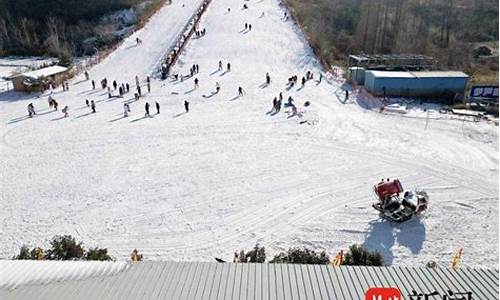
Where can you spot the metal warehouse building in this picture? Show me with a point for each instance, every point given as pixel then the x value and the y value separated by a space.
pixel 415 84
pixel 192 280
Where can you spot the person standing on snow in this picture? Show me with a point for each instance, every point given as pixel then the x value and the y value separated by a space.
pixel 65 111
pixel 157 107
pixel 186 106
pixel 268 79
pixel 217 87
pixel 55 104
pixel 146 107
pixel 196 83
pixel 228 67
pixel 31 110
pixel 220 65
pixel 275 104
pixel 240 91
pixel 92 106
pixel 278 106
pixel 126 110
pixel 93 84
pixel 87 102
pixel 115 85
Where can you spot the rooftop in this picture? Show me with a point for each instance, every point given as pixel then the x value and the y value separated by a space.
pixel 45 72
pixel 192 280
pixel 418 74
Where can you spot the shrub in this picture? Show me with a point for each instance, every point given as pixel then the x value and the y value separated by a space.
pixel 299 256
pixel 64 247
pixel 256 255
pixel 359 256
pixel 24 253
pixel 97 254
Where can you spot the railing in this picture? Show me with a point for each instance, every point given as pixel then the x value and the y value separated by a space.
pixel 174 51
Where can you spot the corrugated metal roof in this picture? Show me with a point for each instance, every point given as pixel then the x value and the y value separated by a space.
pixel 417 74
pixel 191 280
pixel 45 72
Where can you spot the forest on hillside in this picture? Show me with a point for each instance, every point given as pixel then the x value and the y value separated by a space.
pixel 448 30
pixel 61 28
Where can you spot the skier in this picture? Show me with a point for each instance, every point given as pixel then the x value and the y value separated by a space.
pixel 196 83
pixel 86 75
pixel 217 87
pixel 320 78
pixel 87 102
pixel 186 106
pixel 246 26
pixel 92 106
pixel 120 91
pixel 240 91
pixel 139 90
pixel 220 65
pixel 157 107
pixel 290 101
pixel 146 106
pixel 268 79
pixel 249 27
pixel 303 80
pixel 127 87
pixel 93 84
pixel 126 110
pixel 65 111
pixel 275 104
pixel 228 67
pixel 278 106
pixel 55 104
pixel 31 110
pixel 115 85
pixel 149 87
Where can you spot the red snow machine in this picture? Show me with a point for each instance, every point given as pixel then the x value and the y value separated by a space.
pixel 395 207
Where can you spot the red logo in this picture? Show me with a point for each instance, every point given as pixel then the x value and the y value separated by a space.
pixel 383 294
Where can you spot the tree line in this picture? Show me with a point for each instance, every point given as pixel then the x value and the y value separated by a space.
pixel 57 27
pixel 444 29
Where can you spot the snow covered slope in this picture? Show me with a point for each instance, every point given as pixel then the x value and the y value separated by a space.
pixel 229 174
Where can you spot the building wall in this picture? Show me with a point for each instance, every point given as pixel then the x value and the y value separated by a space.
pixel 415 87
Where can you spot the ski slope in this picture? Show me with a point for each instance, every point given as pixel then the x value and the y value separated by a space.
pixel 229 174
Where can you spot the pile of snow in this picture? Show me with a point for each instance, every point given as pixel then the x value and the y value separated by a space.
pixel 230 173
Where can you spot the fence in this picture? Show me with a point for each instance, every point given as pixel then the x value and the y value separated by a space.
pixel 173 53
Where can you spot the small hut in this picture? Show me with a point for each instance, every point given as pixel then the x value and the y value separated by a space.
pixel 39 80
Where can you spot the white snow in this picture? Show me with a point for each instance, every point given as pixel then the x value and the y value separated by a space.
pixel 227 175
